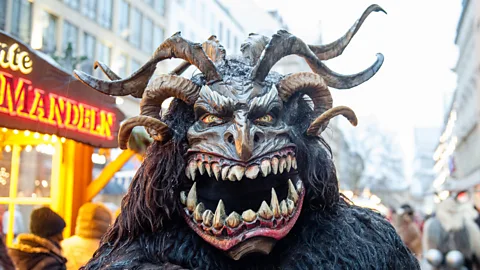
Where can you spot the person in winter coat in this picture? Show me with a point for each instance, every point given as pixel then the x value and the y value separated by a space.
pixel 40 249
pixel 5 261
pixel 408 230
pixel 92 222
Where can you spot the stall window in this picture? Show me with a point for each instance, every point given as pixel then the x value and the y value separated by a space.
pixel 49 33
pixel 3 15
pixel 136 28
pixel 70 35
pixel 22 19
pixel 123 19
pixel 89 44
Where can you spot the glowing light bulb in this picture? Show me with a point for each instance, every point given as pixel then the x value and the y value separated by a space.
pixel 8 148
pixel 45 137
pixel 36 135
pixel 4 130
pixel 62 139
pixel 15 131
pixel 26 133
pixel 28 148
pixel 54 138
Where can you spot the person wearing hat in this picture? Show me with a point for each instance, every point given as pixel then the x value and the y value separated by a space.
pixel 40 249
pixel 93 221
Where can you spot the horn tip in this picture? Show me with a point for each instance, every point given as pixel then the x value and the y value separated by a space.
pixel 377 8
pixel 96 64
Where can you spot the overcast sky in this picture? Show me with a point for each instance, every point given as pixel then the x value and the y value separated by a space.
pixel 417 40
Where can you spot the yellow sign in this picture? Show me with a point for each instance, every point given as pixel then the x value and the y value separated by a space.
pixel 14 58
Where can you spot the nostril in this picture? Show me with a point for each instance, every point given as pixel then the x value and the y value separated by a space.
pixel 229 138
pixel 258 138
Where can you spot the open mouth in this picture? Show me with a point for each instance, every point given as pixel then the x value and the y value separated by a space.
pixel 230 202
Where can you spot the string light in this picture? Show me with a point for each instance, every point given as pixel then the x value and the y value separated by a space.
pixel 26 133
pixel 36 135
pixel 8 148
pixel 54 138
pixel 4 130
pixel 45 137
pixel 62 139
pixel 28 148
pixel 15 131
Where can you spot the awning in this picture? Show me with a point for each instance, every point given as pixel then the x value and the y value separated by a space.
pixel 35 95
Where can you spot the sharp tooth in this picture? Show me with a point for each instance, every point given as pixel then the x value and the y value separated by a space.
pixel 201 167
pixel 224 172
pixel 187 172
pixel 274 204
pixel 275 165
pixel 299 186
pixel 207 218
pixel 282 165
pixel 265 211
pixel 265 166
pixel 289 163
pixel 216 170
pixel 192 167
pixel 219 217
pixel 197 214
pixel 233 220
pixel 290 206
pixel 252 172
pixel 294 163
pixel 249 215
pixel 192 198
pixel 236 173
pixel 209 169
pixel 292 193
pixel 283 208
pixel 183 198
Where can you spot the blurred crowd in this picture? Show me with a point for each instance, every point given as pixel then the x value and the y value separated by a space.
pixel 45 248
pixel 449 238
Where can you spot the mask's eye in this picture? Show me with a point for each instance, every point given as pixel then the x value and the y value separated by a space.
pixel 212 119
pixel 266 119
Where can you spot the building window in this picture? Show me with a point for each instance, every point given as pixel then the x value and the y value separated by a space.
pixel 147 31
pixel 89 8
pixel 228 38
pixel 121 65
pixel 160 7
pixel 235 43
pixel 89 44
pixel 103 56
pixel 49 33
pixel 158 36
pixel 3 13
pixel 220 30
pixel 203 14
pixel 149 2
pixel 136 28
pixel 105 13
pixel 123 19
pixel 212 24
pixel 70 35
pixel 181 27
pixel 134 66
pixel 22 20
pixel 72 3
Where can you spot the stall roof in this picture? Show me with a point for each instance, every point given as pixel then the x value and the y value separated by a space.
pixel 38 96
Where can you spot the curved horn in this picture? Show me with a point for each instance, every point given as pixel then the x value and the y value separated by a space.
pixel 253 47
pixel 334 49
pixel 106 70
pixel 321 122
pixel 284 43
pixel 214 50
pixel 163 87
pixel 157 129
pixel 310 84
pixel 173 47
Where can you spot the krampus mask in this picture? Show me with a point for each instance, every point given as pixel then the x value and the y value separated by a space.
pixel 242 185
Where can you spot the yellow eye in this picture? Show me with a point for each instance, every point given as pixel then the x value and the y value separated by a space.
pixel 210 118
pixel 267 118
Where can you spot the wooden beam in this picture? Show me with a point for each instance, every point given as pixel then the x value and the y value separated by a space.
pixel 107 173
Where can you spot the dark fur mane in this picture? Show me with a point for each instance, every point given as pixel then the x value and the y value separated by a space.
pixel 330 232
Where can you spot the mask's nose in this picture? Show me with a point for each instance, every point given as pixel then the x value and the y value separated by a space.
pixel 243 137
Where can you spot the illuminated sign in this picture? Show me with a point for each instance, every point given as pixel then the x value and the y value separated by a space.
pixel 38 96
pixel 14 58
pixel 18 97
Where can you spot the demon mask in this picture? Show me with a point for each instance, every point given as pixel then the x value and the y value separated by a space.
pixel 245 191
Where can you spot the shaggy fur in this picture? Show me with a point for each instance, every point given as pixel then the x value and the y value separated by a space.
pixel 330 233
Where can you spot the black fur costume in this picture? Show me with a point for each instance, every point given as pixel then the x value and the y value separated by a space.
pixel 330 233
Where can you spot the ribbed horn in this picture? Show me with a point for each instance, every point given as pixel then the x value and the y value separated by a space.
pixel 336 48
pixel 163 87
pixel 106 70
pixel 253 47
pixel 310 84
pixel 214 50
pixel 321 122
pixel 157 129
pixel 283 44
pixel 173 47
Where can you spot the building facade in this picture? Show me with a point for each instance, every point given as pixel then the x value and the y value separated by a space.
pixel 457 157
